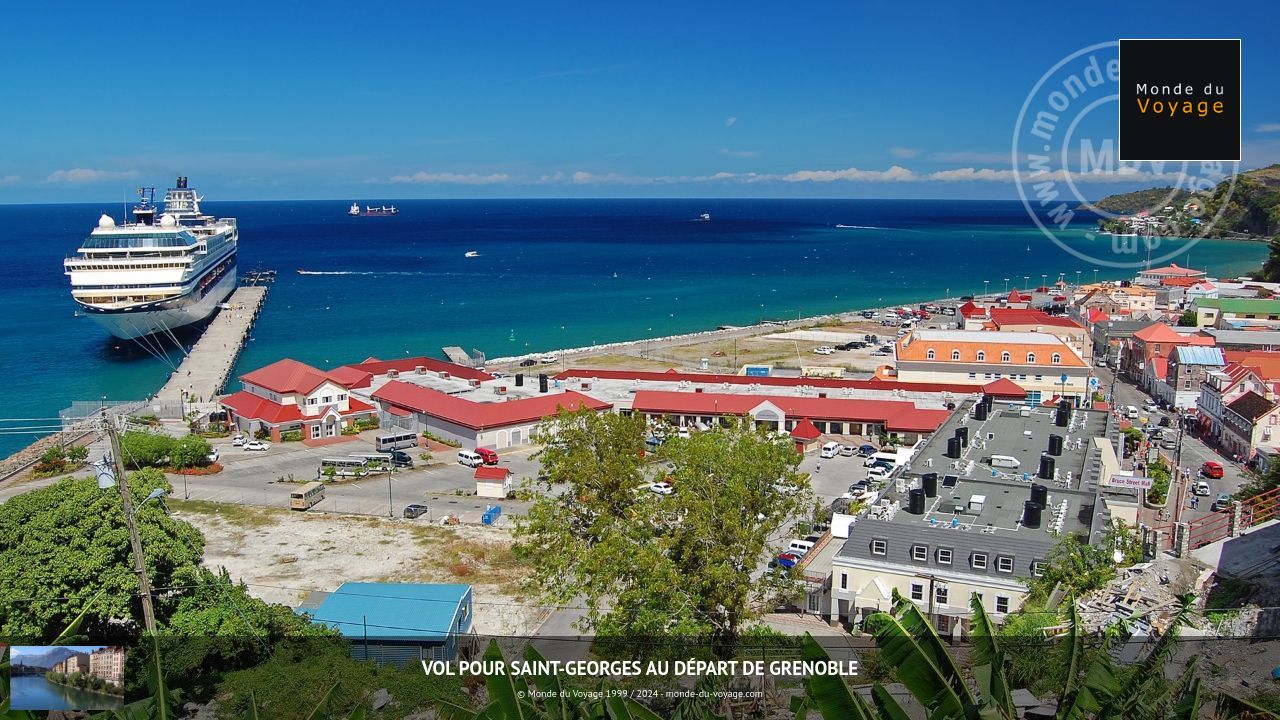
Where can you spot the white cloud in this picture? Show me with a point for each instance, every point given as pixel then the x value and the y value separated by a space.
pixel 904 152
pixel 10 180
pixel 86 175
pixel 1267 128
pixel 896 173
pixel 969 174
pixel 972 156
pixel 447 178
pixel 729 121
pixel 739 153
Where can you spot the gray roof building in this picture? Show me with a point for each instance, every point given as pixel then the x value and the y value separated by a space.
pixel 1020 483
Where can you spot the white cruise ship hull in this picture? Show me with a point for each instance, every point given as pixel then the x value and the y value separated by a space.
pixel 194 307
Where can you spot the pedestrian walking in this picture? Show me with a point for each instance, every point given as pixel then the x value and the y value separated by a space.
pixel 818 469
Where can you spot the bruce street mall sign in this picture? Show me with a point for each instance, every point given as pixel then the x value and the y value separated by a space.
pixel 1130 481
pixel 1176 125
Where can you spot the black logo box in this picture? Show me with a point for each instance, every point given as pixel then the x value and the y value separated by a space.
pixel 1186 65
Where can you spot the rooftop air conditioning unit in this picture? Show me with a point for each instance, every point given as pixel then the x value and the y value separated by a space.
pixel 473 383
pixel 500 389
pixel 393 373
pixel 443 375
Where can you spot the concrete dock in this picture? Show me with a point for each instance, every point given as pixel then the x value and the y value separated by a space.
pixel 206 369
pixel 458 356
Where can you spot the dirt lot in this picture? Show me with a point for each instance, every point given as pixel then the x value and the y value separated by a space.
pixel 282 556
pixel 784 348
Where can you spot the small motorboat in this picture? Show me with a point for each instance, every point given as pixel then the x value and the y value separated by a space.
pixel 472 253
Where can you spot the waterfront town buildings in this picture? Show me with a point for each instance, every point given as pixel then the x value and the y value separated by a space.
pixel 1113 299
pixel 1154 276
pixel 108 664
pixel 1237 312
pixel 105 663
pixel 983 502
pixel 1185 371
pixel 77 663
pixel 1155 342
pixel 1039 363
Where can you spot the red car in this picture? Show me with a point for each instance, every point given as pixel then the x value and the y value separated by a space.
pixel 1211 469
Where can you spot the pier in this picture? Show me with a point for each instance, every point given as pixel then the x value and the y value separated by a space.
pixel 205 371
pixel 458 356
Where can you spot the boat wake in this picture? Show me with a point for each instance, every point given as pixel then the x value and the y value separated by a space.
pixel 361 272
pixel 863 227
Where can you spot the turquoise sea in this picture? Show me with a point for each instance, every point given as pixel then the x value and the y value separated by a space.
pixel 550 274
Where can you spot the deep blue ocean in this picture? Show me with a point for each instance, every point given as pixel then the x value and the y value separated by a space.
pixel 550 274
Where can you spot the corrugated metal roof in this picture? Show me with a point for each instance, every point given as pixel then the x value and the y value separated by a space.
pixel 398 610
pixel 1199 355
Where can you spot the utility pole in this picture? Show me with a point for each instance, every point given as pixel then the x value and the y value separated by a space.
pixel 391 470
pixel 1177 468
pixel 135 542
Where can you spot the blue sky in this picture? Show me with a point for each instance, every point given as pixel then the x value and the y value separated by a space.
pixel 571 99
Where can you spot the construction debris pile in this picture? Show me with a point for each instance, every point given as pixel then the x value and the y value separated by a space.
pixel 1146 596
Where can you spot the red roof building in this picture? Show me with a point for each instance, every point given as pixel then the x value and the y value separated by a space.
pixel 1157 340
pixel 1004 389
pixel 828 415
pixel 291 396
pixel 492 472
pixel 477 424
pixel 805 430
pixel 374 366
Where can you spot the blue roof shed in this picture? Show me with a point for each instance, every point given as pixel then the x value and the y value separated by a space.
pixel 396 623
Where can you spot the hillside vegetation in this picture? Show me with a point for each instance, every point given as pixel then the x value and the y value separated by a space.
pixel 1253 207
pixel 1138 200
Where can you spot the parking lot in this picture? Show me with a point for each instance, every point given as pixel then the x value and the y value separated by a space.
pixel 265 478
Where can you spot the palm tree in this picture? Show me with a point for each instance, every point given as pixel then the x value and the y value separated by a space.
pixel 1094 688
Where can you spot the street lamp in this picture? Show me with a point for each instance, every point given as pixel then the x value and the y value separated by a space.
pixel 984 287
pixel 1006 286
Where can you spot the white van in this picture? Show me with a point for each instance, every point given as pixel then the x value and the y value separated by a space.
pixel 877 473
pixel 881 457
pixel 470 458
pixel 830 450
pixel 1004 461
pixel 800 547
pixel 1131 412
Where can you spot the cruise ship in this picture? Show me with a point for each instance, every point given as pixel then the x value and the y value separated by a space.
pixel 160 271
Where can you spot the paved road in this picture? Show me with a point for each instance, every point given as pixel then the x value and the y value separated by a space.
pixel 1194 454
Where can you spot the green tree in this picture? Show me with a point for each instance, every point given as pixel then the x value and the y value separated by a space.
pixel 218 627
pixel 649 565
pixel 52 462
pixel 144 449
pixel 190 451
pixel 1271 268
pixel 1078 566
pixel 1187 318
pixel 78 454
pixel 61 545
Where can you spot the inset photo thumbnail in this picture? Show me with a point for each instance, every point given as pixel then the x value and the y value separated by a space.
pixel 66 677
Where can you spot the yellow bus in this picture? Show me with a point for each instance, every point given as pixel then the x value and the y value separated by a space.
pixel 306 496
